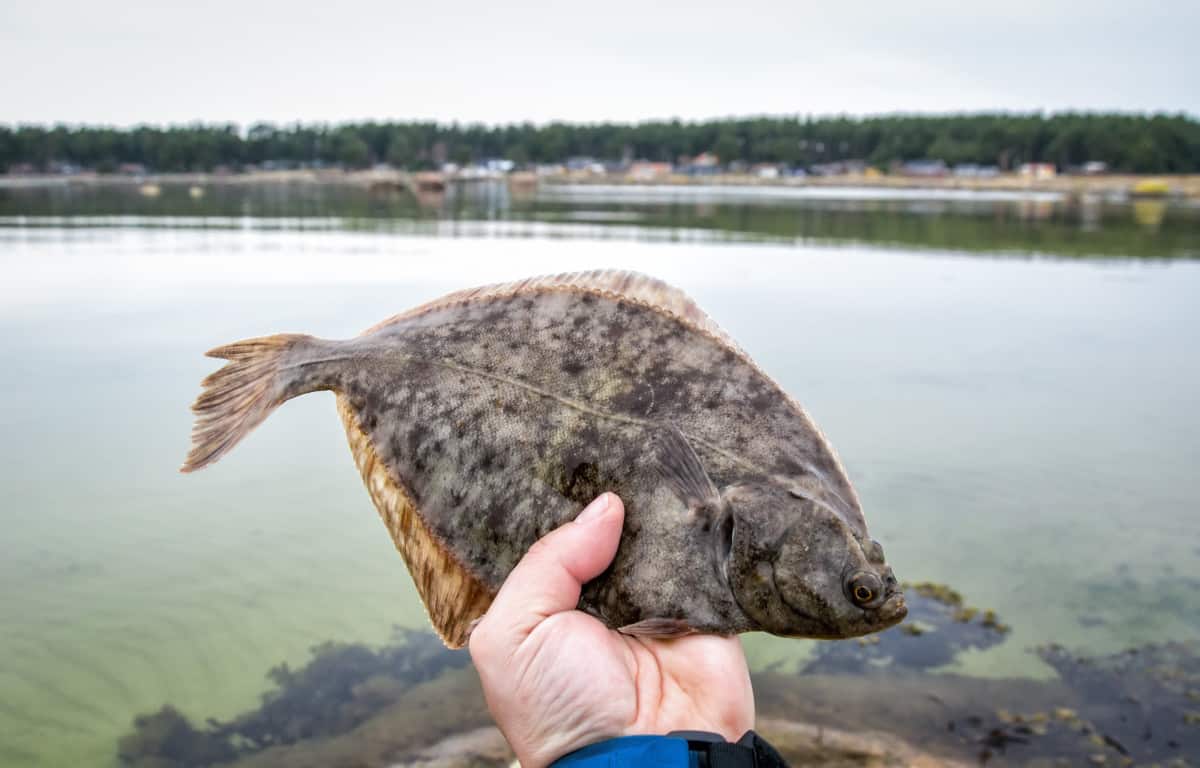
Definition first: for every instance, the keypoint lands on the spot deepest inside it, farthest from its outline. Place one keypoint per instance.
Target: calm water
(1026, 430)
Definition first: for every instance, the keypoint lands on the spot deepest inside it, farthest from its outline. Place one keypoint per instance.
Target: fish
(485, 419)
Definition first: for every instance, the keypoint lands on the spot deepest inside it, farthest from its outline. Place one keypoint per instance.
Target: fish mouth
(893, 611)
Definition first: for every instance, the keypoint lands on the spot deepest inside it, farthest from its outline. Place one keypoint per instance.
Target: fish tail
(261, 374)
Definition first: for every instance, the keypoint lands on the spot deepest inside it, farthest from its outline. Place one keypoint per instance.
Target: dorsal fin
(625, 284)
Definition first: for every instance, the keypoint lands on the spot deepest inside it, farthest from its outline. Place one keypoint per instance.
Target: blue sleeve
(631, 752)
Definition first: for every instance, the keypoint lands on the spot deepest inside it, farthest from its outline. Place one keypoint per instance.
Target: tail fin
(240, 395)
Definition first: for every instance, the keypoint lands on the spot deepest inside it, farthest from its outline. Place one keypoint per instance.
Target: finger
(549, 578)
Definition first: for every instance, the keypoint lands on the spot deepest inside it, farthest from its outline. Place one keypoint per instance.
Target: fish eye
(863, 587)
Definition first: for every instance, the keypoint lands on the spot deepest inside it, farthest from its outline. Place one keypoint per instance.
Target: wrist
(629, 752)
(678, 749)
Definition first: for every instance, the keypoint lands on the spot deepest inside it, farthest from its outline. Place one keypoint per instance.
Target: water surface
(1024, 429)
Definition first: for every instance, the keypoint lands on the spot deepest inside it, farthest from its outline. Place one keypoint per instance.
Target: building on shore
(1037, 171)
(703, 164)
(768, 170)
(924, 169)
(585, 166)
(646, 171)
(976, 171)
(851, 167)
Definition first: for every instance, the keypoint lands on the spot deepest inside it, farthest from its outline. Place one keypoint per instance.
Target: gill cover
(799, 569)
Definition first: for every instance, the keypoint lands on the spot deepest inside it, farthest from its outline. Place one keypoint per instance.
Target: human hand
(556, 679)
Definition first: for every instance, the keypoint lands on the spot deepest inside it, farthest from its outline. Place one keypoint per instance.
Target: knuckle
(540, 549)
(542, 552)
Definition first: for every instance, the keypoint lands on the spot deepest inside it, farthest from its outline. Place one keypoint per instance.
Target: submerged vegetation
(1158, 143)
(341, 687)
(872, 702)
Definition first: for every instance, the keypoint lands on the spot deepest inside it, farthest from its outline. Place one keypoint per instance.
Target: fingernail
(593, 510)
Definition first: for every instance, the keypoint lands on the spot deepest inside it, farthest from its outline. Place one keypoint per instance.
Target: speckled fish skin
(501, 415)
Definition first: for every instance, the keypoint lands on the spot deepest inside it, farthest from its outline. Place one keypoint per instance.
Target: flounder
(485, 419)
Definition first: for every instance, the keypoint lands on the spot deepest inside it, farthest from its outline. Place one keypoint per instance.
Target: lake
(1013, 385)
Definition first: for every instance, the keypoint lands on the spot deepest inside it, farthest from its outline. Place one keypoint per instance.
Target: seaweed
(339, 688)
(342, 686)
(165, 739)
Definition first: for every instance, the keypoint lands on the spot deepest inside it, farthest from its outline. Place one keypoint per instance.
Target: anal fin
(454, 598)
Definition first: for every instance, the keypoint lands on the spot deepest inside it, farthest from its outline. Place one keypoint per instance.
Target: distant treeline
(1131, 143)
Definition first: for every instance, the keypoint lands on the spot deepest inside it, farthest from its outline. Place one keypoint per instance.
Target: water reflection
(1150, 213)
(972, 222)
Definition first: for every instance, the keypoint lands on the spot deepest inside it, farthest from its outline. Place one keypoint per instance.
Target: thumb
(550, 576)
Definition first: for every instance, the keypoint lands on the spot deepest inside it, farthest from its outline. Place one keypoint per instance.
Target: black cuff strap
(712, 751)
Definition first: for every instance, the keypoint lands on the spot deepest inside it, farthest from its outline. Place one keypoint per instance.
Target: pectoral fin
(680, 468)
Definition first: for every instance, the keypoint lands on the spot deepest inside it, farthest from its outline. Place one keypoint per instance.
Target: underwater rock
(804, 744)
(1137, 703)
(480, 748)
(1123, 709)
(920, 709)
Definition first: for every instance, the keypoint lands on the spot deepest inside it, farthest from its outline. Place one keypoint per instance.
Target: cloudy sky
(495, 61)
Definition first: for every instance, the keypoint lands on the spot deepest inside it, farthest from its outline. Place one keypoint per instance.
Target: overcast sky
(503, 60)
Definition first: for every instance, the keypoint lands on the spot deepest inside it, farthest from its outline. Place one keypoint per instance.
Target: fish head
(797, 568)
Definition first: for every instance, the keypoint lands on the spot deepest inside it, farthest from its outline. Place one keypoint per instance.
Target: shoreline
(1185, 186)
(1110, 186)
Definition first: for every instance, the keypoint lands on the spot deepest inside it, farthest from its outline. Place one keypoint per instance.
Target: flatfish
(485, 419)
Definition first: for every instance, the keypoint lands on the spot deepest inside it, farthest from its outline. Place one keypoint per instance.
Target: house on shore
(925, 169)
(647, 171)
(703, 164)
(1037, 171)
